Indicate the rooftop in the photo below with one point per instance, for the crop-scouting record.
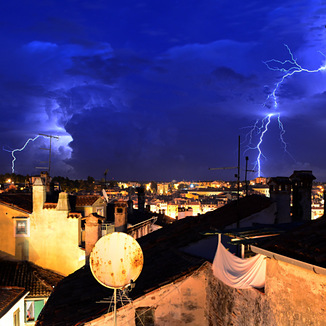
(306, 243)
(37, 280)
(17, 201)
(9, 296)
(75, 298)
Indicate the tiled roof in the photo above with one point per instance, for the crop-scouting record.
(306, 243)
(74, 215)
(37, 280)
(18, 201)
(50, 205)
(86, 200)
(9, 296)
(75, 298)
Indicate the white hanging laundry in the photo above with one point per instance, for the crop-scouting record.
(239, 273)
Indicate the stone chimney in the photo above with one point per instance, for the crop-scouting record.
(93, 233)
(120, 216)
(280, 193)
(39, 194)
(141, 198)
(63, 202)
(301, 198)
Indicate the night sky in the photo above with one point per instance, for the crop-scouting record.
(161, 90)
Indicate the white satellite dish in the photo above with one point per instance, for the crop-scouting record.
(105, 195)
(116, 260)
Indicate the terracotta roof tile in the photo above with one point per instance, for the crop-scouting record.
(74, 215)
(9, 295)
(50, 205)
(306, 243)
(86, 200)
(37, 280)
(18, 200)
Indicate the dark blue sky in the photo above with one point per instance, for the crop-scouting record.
(160, 90)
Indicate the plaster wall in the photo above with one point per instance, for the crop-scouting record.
(54, 240)
(8, 318)
(176, 304)
(297, 296)
(8, 241)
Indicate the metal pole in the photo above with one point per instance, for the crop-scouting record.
(50, 156)
(239, 168)
(238, 195)
(115, 306)
(246, 182)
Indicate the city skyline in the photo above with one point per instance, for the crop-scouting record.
(161, 91)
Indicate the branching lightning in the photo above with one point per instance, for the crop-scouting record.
(18, 150)
(288, 68)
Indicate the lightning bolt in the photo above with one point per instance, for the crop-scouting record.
(288, 68)
(18, 150)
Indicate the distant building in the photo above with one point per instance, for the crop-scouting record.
(162, 188)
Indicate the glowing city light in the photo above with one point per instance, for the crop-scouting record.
(288, 68)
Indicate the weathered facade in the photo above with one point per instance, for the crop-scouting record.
(47, 234)
(182, 302)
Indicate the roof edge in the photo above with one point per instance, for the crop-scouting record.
(316, 269)
(19, 297)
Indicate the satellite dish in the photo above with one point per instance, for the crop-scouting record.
(105, 195)
(116, 260)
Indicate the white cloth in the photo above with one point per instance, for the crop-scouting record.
(239, 273)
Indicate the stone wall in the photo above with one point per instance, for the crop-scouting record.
(230, 306)
(297, 296)
(293, 296)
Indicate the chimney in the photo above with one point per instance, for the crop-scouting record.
(39, 194)
(63, 202)
(141, 198)
(280, 193)
(93, 233)
(120, 216)
(301, 202)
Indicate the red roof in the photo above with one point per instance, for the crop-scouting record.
(18, 201)
(86, 200)
(37, 280)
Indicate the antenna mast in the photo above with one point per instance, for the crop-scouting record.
(48, 168)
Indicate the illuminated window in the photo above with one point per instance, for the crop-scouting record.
(22, 228)
(144, 316)
(33, 309)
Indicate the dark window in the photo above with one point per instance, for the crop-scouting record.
(144, 316)
(119, 210)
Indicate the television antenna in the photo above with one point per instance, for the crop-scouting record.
(116, 261)
(48, 168)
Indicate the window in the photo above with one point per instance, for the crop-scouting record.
(144, 316)
(22, 227)
(99, 211)
(33, 309)
(16, 318)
